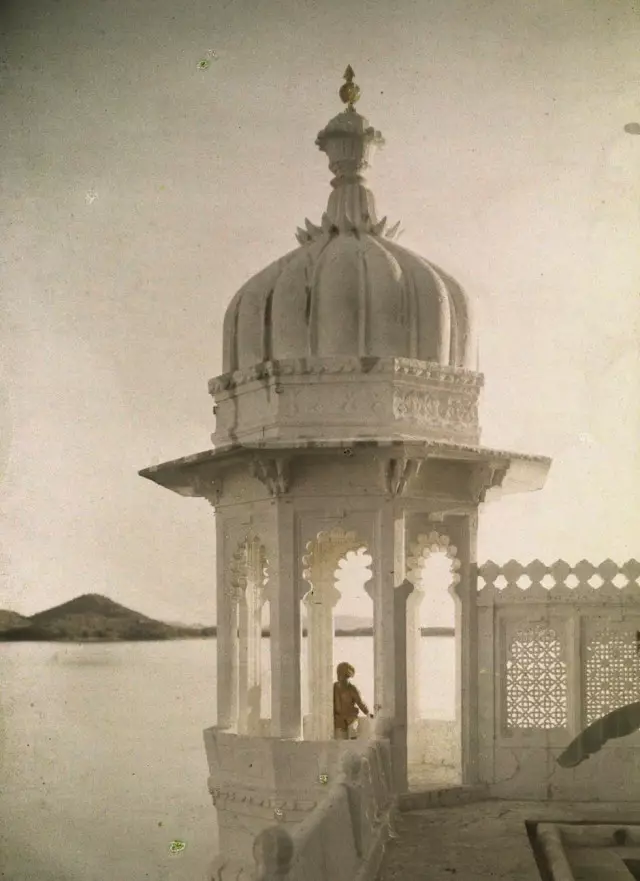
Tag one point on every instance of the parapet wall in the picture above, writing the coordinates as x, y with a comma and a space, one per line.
558, 648
343, 839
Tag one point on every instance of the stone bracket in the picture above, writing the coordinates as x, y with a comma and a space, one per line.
485, 477
398, 473
273, 472
209, 489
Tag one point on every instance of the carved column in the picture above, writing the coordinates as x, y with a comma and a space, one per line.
414, 655
389, 642
399, 740
250, 625
227, 638
320, 603
390, 572
464, 534
286, 710
286, 635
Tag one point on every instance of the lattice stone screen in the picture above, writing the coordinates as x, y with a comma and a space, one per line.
536, 680
611, 672
586, 631
558, 648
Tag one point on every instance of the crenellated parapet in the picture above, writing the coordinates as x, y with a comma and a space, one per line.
559, 582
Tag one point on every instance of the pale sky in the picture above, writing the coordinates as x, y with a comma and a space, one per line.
139, 193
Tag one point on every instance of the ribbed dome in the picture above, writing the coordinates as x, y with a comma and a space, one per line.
353, 296
349, 289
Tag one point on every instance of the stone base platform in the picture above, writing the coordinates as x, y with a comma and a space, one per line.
486, 840
441, 796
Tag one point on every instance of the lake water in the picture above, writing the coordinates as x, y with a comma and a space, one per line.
102, 762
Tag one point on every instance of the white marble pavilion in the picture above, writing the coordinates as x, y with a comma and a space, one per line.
346, 418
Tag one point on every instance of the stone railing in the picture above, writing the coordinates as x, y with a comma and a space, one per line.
558, 647
537, 581
344, 838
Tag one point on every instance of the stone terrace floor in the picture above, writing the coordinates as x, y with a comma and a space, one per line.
482, 840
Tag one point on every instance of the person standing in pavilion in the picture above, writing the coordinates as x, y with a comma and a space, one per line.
347, 702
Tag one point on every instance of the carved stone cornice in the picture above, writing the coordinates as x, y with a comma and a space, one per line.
396, 367
273, 472
398, 474
487, 476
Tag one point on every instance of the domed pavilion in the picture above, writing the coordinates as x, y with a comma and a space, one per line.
346, 419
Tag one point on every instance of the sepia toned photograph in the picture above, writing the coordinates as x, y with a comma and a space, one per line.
319, 440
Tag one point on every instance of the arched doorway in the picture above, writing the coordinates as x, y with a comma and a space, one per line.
433, 665
335, 564
353, 625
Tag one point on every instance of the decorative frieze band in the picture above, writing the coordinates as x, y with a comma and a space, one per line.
427, 408
334, 366
260, 800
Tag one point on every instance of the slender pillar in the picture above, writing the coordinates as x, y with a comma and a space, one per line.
255, 601
320, 603
463, 531
414, 655
244, 629
389, 641
227, 638
399, 741
250, 626
284, 593
250, 679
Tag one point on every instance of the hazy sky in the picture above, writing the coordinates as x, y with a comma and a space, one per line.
139, 192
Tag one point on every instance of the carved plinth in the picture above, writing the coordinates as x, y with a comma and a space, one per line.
328, 398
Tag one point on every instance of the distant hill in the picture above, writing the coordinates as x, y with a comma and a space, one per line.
10, 620
88, 604
91, 617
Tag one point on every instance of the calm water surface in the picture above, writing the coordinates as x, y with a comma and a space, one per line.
102, 763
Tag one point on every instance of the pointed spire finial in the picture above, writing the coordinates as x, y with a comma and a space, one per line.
350, 91
348, 141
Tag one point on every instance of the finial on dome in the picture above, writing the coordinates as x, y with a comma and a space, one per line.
350, 91
349, 141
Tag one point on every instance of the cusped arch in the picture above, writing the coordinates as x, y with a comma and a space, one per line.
249, 566
324, 553
425, 546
